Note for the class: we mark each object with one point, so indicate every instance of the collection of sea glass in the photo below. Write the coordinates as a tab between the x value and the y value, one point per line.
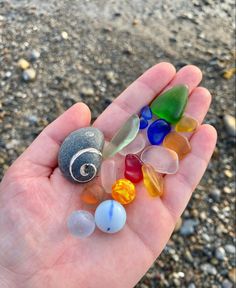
150	145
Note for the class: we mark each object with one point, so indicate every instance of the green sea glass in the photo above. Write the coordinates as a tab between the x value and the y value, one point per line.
123	137
171	104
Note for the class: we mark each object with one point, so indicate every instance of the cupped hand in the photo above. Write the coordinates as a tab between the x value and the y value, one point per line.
36	249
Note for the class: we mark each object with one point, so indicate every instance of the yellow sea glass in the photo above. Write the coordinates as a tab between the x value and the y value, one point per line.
186	124
123	191
177	143
93	194
153	182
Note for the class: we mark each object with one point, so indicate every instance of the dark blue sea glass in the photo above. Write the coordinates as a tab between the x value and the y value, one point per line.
143	123
157	131
146	113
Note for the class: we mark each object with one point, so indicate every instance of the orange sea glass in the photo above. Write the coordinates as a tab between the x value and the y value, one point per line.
153	182
93	194
186	124
123	191
177	143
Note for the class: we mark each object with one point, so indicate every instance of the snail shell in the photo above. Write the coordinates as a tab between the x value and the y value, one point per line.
80	154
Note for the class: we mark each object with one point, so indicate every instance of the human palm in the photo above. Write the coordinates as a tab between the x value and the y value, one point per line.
36	249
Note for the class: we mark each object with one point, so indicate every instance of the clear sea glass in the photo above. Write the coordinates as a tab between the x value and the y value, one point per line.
162	159
125	135
136	146
108	174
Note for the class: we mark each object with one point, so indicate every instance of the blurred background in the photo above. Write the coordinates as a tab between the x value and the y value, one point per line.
55	53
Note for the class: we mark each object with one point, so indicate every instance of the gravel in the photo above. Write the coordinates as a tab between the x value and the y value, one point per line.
90	51
220	253
188	227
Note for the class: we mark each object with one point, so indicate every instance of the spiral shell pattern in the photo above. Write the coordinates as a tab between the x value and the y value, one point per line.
80	154
84	168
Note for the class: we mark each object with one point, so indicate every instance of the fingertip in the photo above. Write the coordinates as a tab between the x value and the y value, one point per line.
194	70
189	75
210	133
158	76
199	102
203	93
81	112
166	66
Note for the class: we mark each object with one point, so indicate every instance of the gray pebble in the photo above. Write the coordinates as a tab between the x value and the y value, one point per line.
220	253
229	122
191	285
29	75
215	194
87	91
8	74
188	227
208	269
227	284
230	249
82	167
34	55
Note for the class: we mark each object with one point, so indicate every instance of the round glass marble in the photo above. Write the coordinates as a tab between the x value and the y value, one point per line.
110	216
81	223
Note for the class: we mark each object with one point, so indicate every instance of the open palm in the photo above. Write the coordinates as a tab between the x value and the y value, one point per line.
36	249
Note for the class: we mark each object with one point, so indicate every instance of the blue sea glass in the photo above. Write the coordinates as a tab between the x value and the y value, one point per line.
110	216
157	131
81	223
146	113
143	123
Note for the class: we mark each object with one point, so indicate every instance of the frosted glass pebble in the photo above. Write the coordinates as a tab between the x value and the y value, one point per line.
108	174
123	137
136	146
110	216
81	223
162	159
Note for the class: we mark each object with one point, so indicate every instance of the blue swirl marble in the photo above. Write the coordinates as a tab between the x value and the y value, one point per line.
110	216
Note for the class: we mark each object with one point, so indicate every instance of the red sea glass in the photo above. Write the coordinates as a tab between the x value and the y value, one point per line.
133	168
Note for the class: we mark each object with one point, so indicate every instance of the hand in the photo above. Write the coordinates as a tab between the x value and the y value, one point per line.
36	249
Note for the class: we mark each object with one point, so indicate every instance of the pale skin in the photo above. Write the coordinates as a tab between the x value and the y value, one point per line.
36	249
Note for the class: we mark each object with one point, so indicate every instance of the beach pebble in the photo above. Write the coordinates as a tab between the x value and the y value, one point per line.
188	227
80	154
29	75
230	125
220	253
208	269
